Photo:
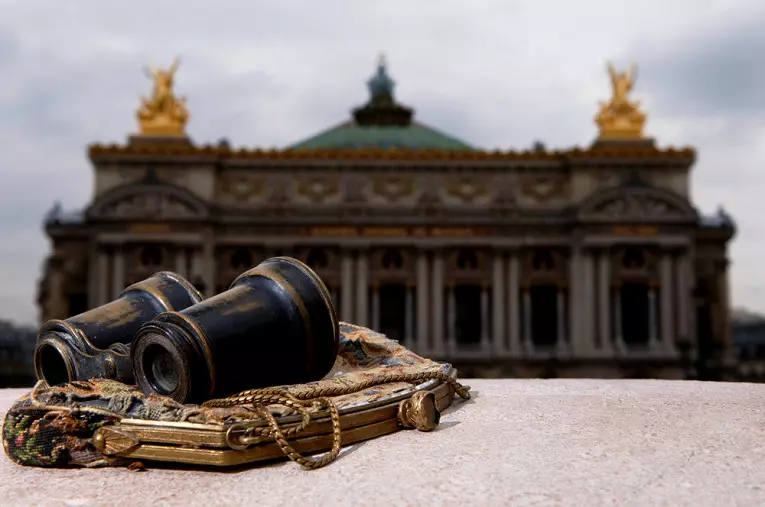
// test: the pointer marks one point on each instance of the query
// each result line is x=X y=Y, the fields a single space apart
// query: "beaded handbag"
x=376 y=387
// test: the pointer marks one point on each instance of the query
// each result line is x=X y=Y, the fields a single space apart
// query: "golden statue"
x=621 y=118
x=163 y=114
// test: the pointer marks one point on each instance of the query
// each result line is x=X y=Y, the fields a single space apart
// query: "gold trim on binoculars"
x=275 y=325
x=96 y=343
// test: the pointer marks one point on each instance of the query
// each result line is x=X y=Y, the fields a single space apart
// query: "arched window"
x=241 y=259
x=467 y=260
x=542 y=260
x=317 y=259
x=392 y=259
x=151 y=256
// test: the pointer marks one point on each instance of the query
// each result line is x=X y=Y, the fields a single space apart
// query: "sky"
x=497 y=74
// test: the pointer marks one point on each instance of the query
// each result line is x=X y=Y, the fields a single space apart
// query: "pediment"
x=148 y=202
x=637 y=205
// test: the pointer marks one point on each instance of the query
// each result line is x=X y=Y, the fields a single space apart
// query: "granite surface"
x=517 y=443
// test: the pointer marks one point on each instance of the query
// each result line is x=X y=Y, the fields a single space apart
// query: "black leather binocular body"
x=275 y=325
x=96 y=344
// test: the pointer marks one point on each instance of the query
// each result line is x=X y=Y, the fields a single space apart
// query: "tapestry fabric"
x=53 y=426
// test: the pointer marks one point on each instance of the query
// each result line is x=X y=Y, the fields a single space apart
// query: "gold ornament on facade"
x=318 y=189
x=163 y=114
x=466 y=189
x=243 y=188
x=621 y=118
x=393 y=188
x=544 y=188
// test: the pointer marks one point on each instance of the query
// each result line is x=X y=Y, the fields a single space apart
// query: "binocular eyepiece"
x=275 y=325
x=97 y=343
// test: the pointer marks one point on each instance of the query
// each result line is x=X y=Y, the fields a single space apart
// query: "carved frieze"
x=243 y=189
x=155 y=205
x=318 y=189
x=466 y=190
x=543 y=189
x=393 y=188
x=639 y=206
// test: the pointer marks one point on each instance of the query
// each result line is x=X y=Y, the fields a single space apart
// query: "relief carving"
x=151 y=206
x=639 y=206
x=466 y=189
x=243 y=189
x=318 y=189
x=393 y=188
x=544 y=188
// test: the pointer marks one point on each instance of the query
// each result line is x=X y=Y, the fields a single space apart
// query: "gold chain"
x=298 y=401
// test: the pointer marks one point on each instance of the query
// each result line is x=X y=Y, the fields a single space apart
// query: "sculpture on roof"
x=163 y=114
x=621 y=118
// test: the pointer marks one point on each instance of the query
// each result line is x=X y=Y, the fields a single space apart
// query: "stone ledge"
x=519 y=442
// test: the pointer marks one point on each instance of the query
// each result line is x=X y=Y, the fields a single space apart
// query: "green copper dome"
x=382 y=123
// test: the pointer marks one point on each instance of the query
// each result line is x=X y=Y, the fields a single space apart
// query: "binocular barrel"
x=97 y=343
x=275 y=325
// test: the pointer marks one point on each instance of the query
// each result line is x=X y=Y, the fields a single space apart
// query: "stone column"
x=618 y=337
x=528 y=342
x=180 y=261
x=423 y=314
x=346 y=287
x=437 y=297
x=587 y=325
x=513 y=305
x=118 y=273
x=562 y=343
x=485 y=333
x=362 y=289
x=604 y=297
x=451 y=312
x=575 y=300
x=57 y=307
x=208 y=266
x=376 y=307
x=667 y=313
x=683 y=296
x=652 y=324
x=409 y=318
x=498 y=306
x=103 y=278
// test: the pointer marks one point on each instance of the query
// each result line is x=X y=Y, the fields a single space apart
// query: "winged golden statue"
x=621 y=117
x=163 y=114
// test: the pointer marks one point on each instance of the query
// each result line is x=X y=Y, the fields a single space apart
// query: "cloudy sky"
x=497 y=73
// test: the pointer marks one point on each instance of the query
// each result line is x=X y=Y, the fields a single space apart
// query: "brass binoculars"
x=275 y=325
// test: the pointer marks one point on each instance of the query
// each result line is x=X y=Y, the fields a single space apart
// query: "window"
x=392 y=259
x=241 y=259
x=317 y=259
x=467 y=260
x=151 y=256
x=633 y=259
x=542 y=260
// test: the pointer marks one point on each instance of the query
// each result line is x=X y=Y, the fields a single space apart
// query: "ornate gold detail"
x=466 y=189
x=163 y=114
x=111 y=441
x=419 y=412
x=621 y=118
x=243 y=187
x=318 y=189
x=543 y=188
x=393 y=188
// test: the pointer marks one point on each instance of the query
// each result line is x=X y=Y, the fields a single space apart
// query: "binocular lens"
x=275 y=325
x=96 y=343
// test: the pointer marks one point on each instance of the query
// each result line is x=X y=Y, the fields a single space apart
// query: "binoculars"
x=275 y=325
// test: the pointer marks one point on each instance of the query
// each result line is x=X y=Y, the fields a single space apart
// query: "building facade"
x=586 y=262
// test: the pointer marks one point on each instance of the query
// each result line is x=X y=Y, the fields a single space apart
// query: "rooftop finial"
x=621 y=118
x=381 y=85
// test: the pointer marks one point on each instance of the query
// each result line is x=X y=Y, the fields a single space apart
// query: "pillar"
x=513 y=305
x=562 y=343
x=527 y=338
x=498 y=305
x=103 y=278
x=437 y=296
x=485 y=345
x=604 y=297
x=118 y=273
x=362 y=289
x=587 y=325
x=575 y=301
x=409 y=318
x=683 y=296
x=208 y=268
x=618 y=337
x=423 y=318
x=376 y=307
x=652 y=324
x=346 y=287
x=180 y=261
x=667 y=313
x=451 y=312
